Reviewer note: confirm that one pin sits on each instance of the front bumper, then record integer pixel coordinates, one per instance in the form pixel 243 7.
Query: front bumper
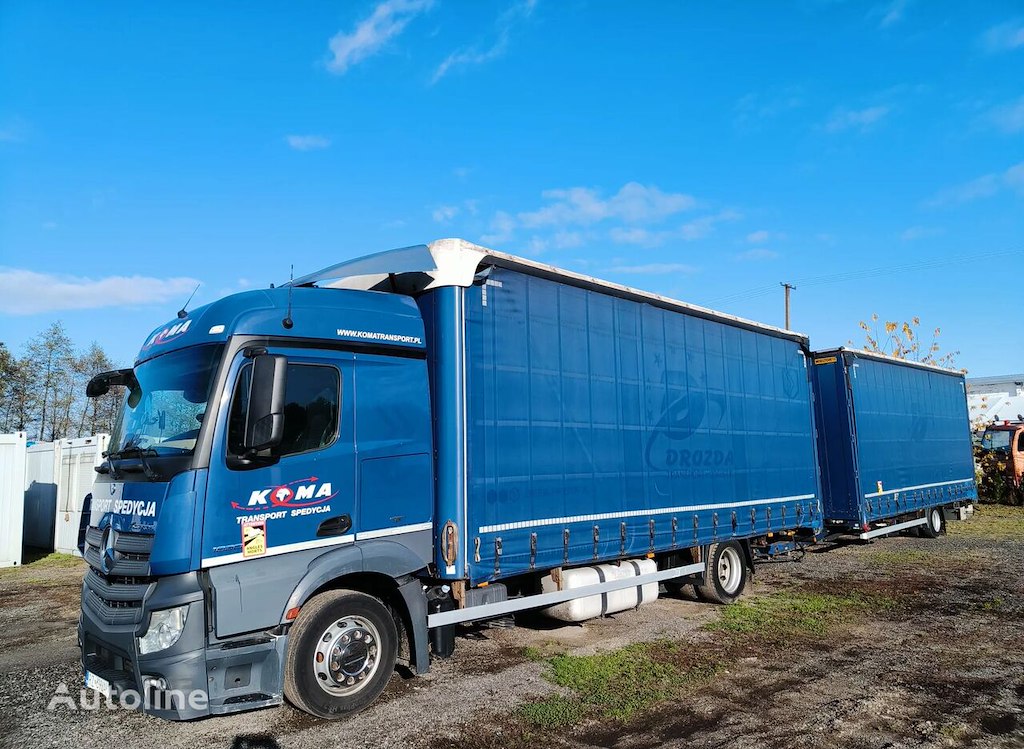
pixel 198 675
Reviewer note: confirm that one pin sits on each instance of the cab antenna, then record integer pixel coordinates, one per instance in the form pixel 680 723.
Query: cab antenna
pixel 287 321
pixel 182 313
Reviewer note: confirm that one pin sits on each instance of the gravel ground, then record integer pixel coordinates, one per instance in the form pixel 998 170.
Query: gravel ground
pixel 943 668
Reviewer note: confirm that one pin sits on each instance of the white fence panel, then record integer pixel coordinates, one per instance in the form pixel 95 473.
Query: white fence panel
pixel 41 461
pixel 75 478
pixel 12 497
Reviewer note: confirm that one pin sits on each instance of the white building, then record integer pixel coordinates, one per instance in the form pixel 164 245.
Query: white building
pixel 999 398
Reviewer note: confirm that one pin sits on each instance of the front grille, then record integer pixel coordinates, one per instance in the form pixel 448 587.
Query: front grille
pixel 119 574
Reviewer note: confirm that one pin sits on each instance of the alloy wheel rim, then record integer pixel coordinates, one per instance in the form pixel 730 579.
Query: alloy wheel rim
pixel 347 655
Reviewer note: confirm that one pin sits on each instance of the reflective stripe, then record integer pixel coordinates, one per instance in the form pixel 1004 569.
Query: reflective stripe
pixel 914 488
pixel 636 513
pixel 275 550
pixel 318 543
pixel 397 531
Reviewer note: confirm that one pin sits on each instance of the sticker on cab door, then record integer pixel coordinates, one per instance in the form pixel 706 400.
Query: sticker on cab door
pixel 254 539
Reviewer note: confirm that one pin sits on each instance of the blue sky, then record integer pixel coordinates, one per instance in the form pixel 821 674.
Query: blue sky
pixel 870 153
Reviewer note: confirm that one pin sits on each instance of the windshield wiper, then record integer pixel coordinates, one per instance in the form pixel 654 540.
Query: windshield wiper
pixel 132 449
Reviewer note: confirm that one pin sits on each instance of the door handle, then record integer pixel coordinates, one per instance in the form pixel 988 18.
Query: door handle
pixel 335 526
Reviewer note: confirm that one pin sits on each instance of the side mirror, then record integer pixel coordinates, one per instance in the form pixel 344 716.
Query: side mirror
pixel 100 384
pixel 264 419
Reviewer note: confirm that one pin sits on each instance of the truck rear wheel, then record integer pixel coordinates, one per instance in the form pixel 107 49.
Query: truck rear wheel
pixel 341 654
pixel 936 523
pixel 726 574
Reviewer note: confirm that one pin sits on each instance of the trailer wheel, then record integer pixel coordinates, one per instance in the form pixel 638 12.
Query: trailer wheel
pixel 726 575
pixel 341 654
pixel 936 524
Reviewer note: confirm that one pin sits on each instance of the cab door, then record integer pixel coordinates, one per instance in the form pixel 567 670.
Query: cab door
pixel 299 495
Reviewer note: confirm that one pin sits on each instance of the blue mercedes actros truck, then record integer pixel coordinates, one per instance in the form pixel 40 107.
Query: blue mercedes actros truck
pixel 311 484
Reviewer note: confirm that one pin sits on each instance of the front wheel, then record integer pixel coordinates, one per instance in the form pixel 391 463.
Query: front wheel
pixel 936 523
pixel 341 654
pixel 726 574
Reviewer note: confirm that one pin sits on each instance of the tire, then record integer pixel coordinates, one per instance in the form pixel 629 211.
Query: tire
pixel 675 588
pixel 936 524
pixel 355 628
pixel 726 575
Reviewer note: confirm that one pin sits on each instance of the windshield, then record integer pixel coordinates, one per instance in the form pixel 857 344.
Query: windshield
pixel 166 405
pixel 996 439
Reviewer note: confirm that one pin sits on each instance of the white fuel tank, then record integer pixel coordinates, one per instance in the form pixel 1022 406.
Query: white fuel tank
pixel 581 609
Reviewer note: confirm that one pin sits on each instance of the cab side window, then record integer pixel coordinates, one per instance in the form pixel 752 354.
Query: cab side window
pixel 1020 442
pixel 312 398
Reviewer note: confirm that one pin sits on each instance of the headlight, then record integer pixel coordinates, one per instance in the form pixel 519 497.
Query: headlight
pixel 165 627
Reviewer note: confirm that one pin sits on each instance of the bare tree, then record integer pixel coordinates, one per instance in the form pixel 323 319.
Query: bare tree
pixel 43 391
pixel 904 340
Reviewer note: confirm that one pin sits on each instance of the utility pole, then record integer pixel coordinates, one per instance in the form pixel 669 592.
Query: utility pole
pixel 788 287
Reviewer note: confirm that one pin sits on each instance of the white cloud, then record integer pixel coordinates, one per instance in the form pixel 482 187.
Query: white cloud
pixel 582 206
pixel 691 231
pixel 26 292
pixel 387 21
pixel 984 186
pixel 759 236
pixel 536 245
pixel 1005 37
pixel 565 240
pixel 1014 176
pixel 920 232
pixel 1010 117
pixel 445 213
pixel 861 119
pixel 892 13
pixel 655 269
pixel 636 235
pixel 757 253
pixel 307 142
pixel 703 226
pixel 481 53
pixel 635 215
pixel 462 172
pixel 14 130
pixel 756 108
pixel 502 228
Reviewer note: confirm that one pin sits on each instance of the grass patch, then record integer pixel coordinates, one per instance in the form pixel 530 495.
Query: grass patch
pixel 902 558
pixel 999 522
pixel 955 731
pixel 617 685
pixel 542 653
pixel 992 605
pixel 790 613
pixel 560 711
pixel 55 560
pixel 49 561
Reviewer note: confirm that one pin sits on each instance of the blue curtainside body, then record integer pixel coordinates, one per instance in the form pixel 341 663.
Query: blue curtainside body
pixel 894 437
pixel 599 427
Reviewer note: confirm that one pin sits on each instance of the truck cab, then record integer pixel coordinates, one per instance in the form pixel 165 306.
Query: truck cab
pixel 270 445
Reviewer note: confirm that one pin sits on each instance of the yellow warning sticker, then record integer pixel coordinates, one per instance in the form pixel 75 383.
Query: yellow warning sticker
pixel 254 539
pixel 826 360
